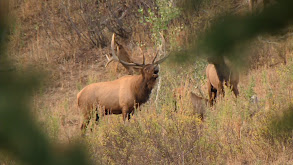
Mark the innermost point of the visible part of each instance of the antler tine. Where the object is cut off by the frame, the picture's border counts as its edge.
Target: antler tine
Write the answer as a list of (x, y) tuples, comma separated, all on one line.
[(109, 60), (164, 52), (161, 60), (163, 39), (163, 43), (155, 57), (131, 64), (114, 56)]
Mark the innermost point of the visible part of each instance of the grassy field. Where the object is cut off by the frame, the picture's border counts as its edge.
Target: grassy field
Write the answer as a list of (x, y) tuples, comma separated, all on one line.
[(235, 130)]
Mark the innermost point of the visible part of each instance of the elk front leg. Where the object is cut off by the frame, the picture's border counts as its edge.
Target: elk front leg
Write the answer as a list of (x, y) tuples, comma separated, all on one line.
[(210, 93), (97, 115), (124, 113), (235, 91), (85, 124), (131, 113)]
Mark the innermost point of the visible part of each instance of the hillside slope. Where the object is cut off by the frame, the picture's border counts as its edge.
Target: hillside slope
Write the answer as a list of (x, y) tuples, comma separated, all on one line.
[(54, 36)]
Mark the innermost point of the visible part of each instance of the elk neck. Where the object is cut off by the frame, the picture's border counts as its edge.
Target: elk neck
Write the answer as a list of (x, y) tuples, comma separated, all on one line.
[(142, 90)]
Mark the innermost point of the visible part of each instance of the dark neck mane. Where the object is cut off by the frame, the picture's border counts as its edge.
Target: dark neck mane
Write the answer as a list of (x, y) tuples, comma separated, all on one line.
[(223, 71), (142, 91)]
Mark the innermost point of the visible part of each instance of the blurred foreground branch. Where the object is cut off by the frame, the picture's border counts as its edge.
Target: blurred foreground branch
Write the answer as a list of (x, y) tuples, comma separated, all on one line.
[(228, 32), (19, 134)]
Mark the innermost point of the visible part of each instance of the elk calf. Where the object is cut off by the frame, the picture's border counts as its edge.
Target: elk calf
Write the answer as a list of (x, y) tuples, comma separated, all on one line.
[(122, 95), (199, 104)]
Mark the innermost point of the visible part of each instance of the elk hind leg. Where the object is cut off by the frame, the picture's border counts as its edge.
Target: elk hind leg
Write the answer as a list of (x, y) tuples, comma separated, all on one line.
[(235, 91), (128, 116), (86, 120), (97, 117), (221, 89), (85, 124), (214, 94)]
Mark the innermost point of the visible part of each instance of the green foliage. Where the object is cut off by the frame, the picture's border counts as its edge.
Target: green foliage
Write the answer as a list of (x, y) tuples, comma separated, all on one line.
[(227, 33), (199, 69), (159, 21)]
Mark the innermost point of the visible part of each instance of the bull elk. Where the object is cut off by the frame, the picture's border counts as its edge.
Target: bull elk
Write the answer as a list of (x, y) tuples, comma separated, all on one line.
[(120, 96), (219, 74)]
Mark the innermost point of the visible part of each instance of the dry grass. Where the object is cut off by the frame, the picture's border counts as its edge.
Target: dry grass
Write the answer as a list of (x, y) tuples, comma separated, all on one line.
[(236, 131)]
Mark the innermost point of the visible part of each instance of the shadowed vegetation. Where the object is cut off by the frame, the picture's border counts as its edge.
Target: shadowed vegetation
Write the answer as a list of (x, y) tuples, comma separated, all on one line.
[(20, 137)]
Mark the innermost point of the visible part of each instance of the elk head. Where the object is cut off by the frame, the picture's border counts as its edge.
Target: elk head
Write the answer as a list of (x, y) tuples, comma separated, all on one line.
[(149, 71), (123, 57)]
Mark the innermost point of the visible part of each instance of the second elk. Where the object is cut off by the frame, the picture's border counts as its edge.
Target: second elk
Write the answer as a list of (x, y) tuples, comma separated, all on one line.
[(219, 74), (120, 96), (123, 53)]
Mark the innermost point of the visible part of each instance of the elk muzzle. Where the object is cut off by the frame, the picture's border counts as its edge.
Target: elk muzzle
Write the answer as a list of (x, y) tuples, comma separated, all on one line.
[(156, 72)]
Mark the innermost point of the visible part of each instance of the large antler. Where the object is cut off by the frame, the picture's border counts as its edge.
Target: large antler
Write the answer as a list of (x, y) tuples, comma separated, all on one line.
[(110, 59), (116, 58), (133, 64)]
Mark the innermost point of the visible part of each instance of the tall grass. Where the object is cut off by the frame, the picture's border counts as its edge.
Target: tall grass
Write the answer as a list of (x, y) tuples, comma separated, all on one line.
[(234, 131)]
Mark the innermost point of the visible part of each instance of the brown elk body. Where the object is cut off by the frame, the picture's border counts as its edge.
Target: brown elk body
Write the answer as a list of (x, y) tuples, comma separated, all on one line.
[(120, 96), (199, 104), (218, 75)]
